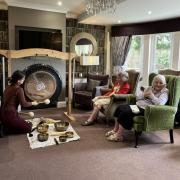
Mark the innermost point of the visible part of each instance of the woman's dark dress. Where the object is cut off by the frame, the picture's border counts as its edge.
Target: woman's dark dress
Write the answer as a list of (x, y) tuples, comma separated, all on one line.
[(12, 97)]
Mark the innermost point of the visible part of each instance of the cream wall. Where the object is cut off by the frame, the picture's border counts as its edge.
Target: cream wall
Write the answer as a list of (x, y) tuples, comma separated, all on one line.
[(34, 18), (3, 6)]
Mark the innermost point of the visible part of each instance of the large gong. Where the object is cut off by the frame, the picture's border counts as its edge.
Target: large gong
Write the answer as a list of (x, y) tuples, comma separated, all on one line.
[(42, 82)]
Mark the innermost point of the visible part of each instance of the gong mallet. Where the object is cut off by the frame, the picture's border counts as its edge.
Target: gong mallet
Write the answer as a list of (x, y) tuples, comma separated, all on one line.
[(31, 114), (46, 101)]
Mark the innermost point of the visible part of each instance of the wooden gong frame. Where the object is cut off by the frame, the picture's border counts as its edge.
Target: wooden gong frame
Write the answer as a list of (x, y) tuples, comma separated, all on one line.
[(15, 54)]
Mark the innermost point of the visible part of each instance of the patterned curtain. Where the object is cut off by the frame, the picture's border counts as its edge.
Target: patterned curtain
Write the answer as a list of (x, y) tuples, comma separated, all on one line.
[(119, 50)]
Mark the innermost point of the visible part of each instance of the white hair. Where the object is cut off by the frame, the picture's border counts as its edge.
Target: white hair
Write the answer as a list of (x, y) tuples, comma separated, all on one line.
[(125, 75), (161, 77)]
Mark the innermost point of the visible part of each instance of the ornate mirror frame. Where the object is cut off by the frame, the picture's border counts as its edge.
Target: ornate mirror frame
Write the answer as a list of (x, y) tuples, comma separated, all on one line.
[(85, 35)]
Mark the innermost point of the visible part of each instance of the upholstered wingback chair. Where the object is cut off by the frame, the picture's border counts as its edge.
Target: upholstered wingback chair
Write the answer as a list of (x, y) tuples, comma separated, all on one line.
[(118, 99), (83, 93), (175, 73), (169, 72), (158, 117)]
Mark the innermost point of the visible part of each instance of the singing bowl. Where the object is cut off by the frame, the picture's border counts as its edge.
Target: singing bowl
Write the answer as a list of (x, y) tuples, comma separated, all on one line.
[(61, 126), (69, 134), (42, 128), (63, 138), (43, 137)]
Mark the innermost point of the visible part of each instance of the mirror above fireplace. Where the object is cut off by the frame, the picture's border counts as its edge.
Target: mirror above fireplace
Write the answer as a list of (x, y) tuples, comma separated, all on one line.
[(84, 47), (83, 44)]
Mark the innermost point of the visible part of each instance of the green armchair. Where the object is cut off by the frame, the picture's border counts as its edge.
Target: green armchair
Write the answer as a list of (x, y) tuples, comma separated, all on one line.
[(174, 73), (159, 117)]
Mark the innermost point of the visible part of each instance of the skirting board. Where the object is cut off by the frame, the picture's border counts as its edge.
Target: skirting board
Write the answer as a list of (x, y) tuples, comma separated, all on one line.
[(61, 104)]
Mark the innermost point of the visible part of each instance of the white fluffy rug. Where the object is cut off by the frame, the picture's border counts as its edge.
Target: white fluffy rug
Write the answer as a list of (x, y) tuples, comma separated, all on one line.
[(34, 143)]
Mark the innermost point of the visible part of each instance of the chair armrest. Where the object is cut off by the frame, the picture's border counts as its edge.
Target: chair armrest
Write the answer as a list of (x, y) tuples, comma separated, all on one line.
[(116, 100), (80, 87), (159, 117), (98, 90), (104, 90), (93, 93), (129, 98), (138, 124)]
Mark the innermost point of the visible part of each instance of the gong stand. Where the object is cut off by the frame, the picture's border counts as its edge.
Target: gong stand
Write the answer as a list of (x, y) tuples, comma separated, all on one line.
[(15, 54), (3, 73)]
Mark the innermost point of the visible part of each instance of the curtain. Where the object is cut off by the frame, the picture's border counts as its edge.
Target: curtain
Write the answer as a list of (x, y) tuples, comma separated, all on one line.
[(119, 50)]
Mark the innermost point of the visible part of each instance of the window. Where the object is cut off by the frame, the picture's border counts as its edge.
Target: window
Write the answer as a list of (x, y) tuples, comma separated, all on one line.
[(161, 52), (134, 58)]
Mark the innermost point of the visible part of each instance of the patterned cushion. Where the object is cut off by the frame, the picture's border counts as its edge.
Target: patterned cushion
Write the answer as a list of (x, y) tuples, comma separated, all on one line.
[(102, 78), (92, 84)]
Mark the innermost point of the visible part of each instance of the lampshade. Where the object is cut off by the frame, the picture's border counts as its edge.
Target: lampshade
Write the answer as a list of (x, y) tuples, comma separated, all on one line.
[(89, 60)]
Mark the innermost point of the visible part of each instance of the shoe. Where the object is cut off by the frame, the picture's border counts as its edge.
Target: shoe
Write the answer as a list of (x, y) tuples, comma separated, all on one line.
[(110, 133), (87, 123), (115, 138)]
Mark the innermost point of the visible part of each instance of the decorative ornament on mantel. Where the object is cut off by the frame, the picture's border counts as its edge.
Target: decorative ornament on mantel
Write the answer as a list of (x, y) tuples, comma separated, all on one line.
[(94, 7)]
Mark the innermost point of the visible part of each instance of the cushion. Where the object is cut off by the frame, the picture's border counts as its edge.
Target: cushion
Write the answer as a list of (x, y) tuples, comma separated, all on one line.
[(83, 94), (102, 78), (92, 84)]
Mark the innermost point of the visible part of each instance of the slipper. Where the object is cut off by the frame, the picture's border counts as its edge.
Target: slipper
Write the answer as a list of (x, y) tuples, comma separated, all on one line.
[(115, 138), (109, 133), (87, 123)]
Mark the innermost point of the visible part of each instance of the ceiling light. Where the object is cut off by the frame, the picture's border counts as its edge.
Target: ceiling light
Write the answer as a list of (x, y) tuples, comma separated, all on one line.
[(119, 21), (94, 7), (59, 3), (149, 12)]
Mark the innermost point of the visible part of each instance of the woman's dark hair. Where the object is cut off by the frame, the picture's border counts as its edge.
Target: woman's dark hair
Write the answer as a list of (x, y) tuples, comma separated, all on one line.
[(17, 75)]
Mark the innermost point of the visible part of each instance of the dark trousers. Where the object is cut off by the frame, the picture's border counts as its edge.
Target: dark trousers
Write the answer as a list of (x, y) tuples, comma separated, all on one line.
[(125, 115)]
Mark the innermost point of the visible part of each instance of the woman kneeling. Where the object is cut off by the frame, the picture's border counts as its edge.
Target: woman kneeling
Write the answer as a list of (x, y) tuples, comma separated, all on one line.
[(12, 97)]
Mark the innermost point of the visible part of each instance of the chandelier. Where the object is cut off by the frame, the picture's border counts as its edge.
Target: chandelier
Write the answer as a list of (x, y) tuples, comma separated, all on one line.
[(94, 7)]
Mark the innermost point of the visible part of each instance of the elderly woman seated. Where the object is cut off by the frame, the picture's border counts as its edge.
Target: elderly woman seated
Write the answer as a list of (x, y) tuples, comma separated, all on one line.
[(157, 94), (120, 87)]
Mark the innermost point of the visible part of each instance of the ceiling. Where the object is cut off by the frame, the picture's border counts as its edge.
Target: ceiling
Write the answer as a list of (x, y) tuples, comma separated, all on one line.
[(129, 11)]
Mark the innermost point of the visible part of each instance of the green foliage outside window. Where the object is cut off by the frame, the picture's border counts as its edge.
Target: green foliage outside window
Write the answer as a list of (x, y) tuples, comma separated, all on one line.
[(134, 60), (163, 47), (136, 43), (162, 52)]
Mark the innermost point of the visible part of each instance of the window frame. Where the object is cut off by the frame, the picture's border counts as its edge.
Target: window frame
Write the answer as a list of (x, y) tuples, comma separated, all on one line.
[(140, 69), (153, 49)]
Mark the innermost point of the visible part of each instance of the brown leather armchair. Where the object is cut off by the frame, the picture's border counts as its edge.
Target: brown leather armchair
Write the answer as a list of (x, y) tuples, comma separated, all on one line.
[(83, 93)]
